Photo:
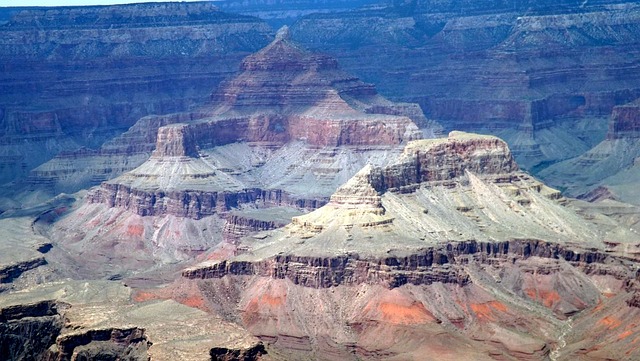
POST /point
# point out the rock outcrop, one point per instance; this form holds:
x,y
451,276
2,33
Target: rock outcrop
x,y
283,94
98,320
441,190
485,66
449,239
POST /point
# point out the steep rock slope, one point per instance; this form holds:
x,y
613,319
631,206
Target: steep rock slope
x,y
610,169
284,133
529,72
98,320
281,95
77,76
444,250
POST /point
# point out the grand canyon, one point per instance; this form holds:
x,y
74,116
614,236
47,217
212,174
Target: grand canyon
x,y
321,180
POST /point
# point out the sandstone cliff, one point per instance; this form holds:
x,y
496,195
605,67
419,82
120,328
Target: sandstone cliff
x,y
449,243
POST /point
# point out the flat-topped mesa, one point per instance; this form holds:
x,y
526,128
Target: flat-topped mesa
x,y
446,159
175,140
625,122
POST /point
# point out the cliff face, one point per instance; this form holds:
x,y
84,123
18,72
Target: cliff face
x,y
78,76
98,320
284,97
611,168
282,94
451,243
524,71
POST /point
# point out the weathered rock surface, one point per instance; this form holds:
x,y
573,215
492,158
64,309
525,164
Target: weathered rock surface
x,y
449,239
283,94
526,71
23,250
98,320
612,166
77,76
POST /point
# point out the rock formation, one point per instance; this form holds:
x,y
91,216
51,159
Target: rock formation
x,y
283,133
295,213
78,76
281,95
525,71
450,239
610,169
98,320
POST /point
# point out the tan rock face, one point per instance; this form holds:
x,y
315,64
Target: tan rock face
x,y
283,95
98,320
448,249
175,141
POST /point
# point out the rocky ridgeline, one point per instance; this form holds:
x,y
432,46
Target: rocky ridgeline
x,y
359,206
176,181
288,94
283,94
191,203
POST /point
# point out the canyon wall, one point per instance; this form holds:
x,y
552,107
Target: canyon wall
x,y
77,76
528,72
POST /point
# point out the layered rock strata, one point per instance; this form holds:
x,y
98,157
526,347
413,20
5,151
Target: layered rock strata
x,y
78,76
445,190
284,98
283,94
611,166
98,320
526,72
177,181
446,248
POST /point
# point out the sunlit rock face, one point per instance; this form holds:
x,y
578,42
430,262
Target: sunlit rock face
x,y
276,141
449,247
295,213
282,96
77,76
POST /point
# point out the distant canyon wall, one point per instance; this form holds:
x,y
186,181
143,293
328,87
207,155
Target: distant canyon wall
x,y
77,76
